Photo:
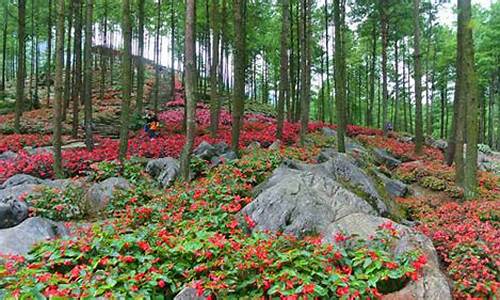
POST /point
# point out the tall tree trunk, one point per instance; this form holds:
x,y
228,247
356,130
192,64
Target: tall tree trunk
x,y
405,116
283,85
384,20
58,87
327,60
67,74
340,73
36,102
87,76
102,62
470,97
291,99
306,69
396,85
491,106
239,72
77,80
126,78
214,77
21,73
4,49
140,67
419,139
190,69
369,116
172,50
444,101
49,53
157,59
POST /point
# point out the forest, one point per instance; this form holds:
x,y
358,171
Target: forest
x,y
250,149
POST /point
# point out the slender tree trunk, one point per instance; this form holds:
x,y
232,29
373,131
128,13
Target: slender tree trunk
x,y
49,53
491,106
32,57
77,80
58,87
190,68
283,85
419,139
4,50
306,70
172,43
444,101
340,74
405,116
385,32
140,67
126,78
291,99
214,82
372,76
67,74
157,59
87,76
327,60
396,85
239,72
36,102
102,84
21,73
470,97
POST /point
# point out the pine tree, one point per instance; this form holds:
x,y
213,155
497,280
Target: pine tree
x,y
21,68
87,76
340,76
126,78
190,76
419,138
283,85
58,87
214,76
239,72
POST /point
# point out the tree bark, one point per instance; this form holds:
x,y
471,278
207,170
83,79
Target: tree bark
x,y
58,87
384,20
190,75
214,77
87,76
157,60
67,75
126,78
239,72
283,84
340,74
49,52
470,97
4,50
306,70
77,80
21,68
419,138
140,66
369,116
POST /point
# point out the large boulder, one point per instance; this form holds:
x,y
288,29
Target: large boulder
x,y
8,155
301,202
21,179
228,156
431,285
440,144
100,194
19,240
382,156
165,170
205,151
13,208
394,187
189,293
328,132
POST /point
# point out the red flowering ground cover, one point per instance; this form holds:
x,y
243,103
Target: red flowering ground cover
x,y
159,242
467,238
16,142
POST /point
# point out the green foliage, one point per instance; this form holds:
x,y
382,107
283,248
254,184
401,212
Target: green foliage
x,y
59,205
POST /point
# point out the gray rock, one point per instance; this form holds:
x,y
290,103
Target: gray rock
x,y
276,145
164,170
221,148
440,144
394,187
205,151
38,150
100,194
328,132
12,213
189,293
8,155
254,145
326,154
406,139
19,240
433,283
20,179
302,202
228,156
383,157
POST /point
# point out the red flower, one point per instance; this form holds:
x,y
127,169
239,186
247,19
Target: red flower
x,y
308,289
341,291
161,283
251,223
144,246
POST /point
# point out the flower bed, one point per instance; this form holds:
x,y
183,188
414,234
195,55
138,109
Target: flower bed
x,y
467,238
190,235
